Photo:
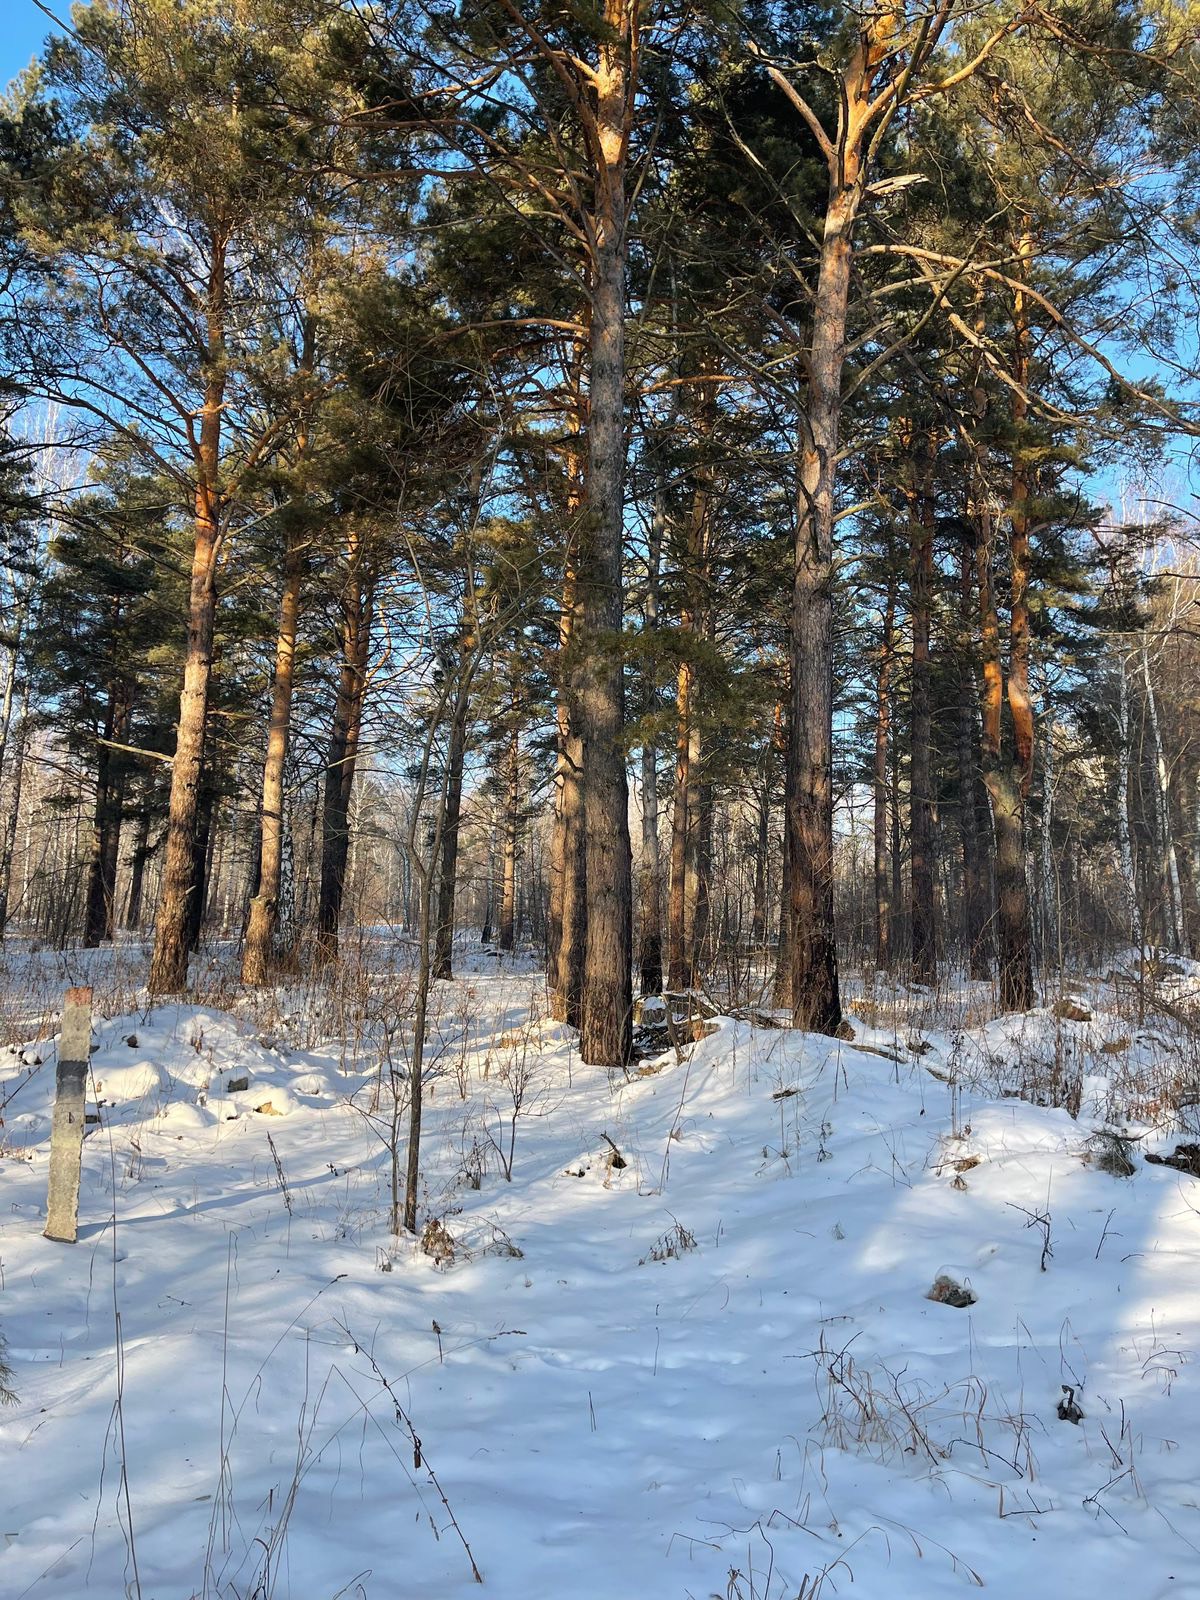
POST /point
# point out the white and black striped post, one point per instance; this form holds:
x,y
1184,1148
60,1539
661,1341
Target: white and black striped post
x,y
66,1133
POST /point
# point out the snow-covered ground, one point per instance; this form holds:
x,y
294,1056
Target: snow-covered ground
x,y
712,1370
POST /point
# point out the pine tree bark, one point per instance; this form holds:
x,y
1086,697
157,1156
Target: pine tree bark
x,y
8,837
137,870
976,922
512,831
815,995
344,739
699,881
921,866
1169,863
568,861
1049,932
566,935
606,1035
8,700
781,983
884,910
762,848
687,817
443,953
202,855
650,899
1016,933
1003,785
687,750
650,950
259,947
1124,792
169,962
865,104
106,823
489,902
1185,775
896,823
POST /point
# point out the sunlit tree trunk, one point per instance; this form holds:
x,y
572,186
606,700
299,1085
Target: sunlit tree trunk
x,y
1009,797
1003,780
606,1034
169,962
815,995
259,948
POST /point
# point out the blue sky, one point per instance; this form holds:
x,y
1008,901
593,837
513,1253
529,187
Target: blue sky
x,y
22,29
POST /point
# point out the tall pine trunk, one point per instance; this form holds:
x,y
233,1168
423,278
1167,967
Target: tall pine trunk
x,y
699,884
1164,829
202,859
106,823
443,950
169,962
688,882
972,816
815,995
1003,786
1016,932
762,848
342,754
512,833
687,752
781,980
921,867
566,933
8,835
863,111
259,949
884,909
606,1034
137,869
1185,776
650,943
650,898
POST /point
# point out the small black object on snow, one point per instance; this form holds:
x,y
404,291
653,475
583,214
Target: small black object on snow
x,y
1068,1410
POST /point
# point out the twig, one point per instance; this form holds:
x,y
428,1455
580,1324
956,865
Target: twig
x,y
618,1159
279,1173
1104,1234
420,1459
